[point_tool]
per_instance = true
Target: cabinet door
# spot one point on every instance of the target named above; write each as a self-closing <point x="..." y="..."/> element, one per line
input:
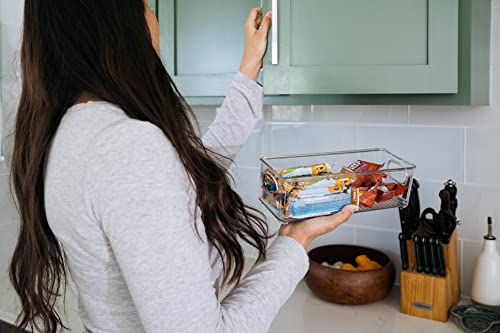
<point x="202" y="42"/>
<point x="363" y="47"/>
<point x="153" y="6"/>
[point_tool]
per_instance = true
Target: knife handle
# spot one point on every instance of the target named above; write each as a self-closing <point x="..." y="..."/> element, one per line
<point x="440" y="257"/>
<point x="425" y="251"/>
<point x="404" y="252"/>
<point x="433" y="256"/>
<point x="418" y="254"/>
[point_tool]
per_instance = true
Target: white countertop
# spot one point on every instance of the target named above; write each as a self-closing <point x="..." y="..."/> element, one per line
<point x="306" y="313"/>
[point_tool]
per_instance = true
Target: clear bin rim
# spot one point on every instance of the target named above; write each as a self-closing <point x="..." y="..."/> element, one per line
<point x="409" y="166"/>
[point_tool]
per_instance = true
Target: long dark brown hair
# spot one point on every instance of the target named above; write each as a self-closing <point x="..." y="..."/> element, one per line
<point x="104" y="48"/>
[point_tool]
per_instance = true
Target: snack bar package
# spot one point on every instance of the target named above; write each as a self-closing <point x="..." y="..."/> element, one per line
<point x="318" y="205"/>
<point x="312" y="170"/>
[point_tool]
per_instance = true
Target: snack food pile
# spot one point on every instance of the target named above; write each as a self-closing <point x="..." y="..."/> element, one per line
<point x="300" y="195"/>
<point x="363" y="264"/>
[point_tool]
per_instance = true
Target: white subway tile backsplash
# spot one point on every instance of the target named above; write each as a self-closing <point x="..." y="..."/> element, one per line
<point x="251" y="152"/>
<point x="308" y="138"/>
<point x="360" y="114"/>
<point x="470" y="252"/>
<point x="11" y="12"/>
<point x="11" y="45"/>
<point x="4" y="169"/>
<point x="8" y="298"/>
<point x="429" y="193"/>
<point x="475" y="204"/>
<point x="8" y="238"/>
<point x="247" y="182"/>
<point x="482" y="159"/>
<point x="386" y="219"/>
<point x="288" y="113"/>
<point x="10" y="93"/>
<point x="437" y="152"/>
<point x="438" y="115"/>
<point x="8" y="211"/>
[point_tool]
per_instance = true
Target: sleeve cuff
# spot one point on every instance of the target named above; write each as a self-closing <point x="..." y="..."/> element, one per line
<point x="243" y="81"/>
<point x="295" y="252"/>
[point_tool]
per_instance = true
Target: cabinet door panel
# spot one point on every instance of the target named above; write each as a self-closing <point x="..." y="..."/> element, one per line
<point x="202" y="42"/>
<point x="365" y="25"/>
<point x="365" y="47"/>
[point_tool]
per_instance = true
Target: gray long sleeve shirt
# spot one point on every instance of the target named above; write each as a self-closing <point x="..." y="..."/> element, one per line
<point x="120" y="203"/>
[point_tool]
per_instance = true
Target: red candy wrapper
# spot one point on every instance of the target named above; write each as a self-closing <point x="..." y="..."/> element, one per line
<point x="366" y="180"/>
<point x="400" y="189"/>
<point x="388" y="191"/>
<point x="368" y="196"/>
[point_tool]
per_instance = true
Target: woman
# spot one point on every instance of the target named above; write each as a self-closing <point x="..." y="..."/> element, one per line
<point x="113" y="183"/>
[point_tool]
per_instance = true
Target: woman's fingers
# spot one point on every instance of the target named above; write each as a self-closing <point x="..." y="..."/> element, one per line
<point x="256" y="29"/>
<point x="304" y="232"/>
<point x="258" y="21"/>
<point x="253" y="16"/>
<point x="266" y="24"/>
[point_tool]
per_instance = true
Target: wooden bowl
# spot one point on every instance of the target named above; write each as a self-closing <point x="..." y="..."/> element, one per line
<point x="349" y="287"/>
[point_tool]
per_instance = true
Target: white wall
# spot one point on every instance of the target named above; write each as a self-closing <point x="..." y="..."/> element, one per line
<point x="445" y="142"/>
<point x="10" y="14"/>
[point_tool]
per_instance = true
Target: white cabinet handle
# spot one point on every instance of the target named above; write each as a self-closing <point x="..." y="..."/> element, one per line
<point x="274" y="38"/>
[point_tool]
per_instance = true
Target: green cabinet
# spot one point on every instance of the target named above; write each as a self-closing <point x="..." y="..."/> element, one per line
<point x="363" y="47"/>
<point x="202" y="42"/>
<point x="153" y="5"/>
<point x="335" y="51"/>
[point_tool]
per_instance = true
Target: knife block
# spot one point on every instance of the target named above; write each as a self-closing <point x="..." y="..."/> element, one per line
<point x="430" y="296"/>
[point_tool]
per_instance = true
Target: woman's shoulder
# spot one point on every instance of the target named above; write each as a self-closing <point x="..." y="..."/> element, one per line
<point x="111" y="128"/>
<point x="109" y="137"/>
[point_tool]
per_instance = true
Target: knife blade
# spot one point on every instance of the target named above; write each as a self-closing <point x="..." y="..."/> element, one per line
<point x="404" y="252"/>
<point x="433" y="256"/>
<point x="410" y="215"/>
<point x="447" y="220"/>
<point x="426" y="255"/>
<point x="418" y="254"/>
<point x="441" y="258"/>
<point x="415" y="213"/>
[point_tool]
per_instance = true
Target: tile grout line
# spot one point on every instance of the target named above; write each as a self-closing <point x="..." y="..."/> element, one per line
<point x="465" y="155"/>
<point x="375" y="228"/>
<point x="462" y="266"/>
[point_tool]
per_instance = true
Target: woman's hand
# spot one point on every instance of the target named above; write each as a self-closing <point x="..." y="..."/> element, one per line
<point x="304" y="232"/>
<point x="256" y="29"/>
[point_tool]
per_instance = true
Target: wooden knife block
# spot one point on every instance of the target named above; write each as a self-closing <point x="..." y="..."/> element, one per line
<point x="430" y="296"/>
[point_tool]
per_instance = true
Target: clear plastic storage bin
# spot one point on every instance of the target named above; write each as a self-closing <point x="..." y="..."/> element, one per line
<point x="305" y="186"/>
